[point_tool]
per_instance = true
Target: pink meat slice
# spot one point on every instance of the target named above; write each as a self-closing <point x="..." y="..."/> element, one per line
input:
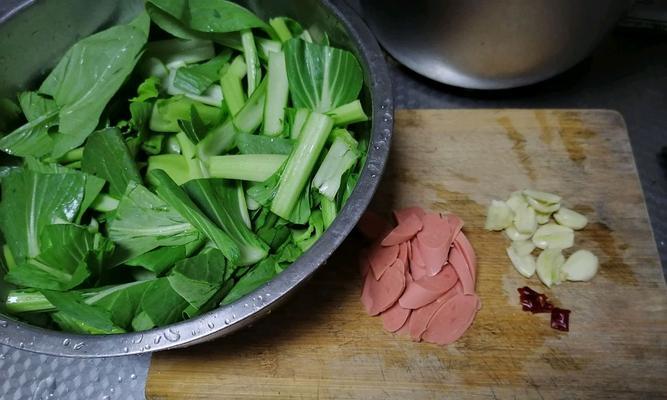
<point x="372" y="225"/>
<point x="463" y="245"/>
<point x="403" y="214"/>
<point x="420" y="318"/>
<point x="455" y="224"/>
<point x="381" y="258"/>
<point x="452" y="319"/>
<point x="394" y="318"/>
<point x="405" y="329"/>
<point x="434" y="251"/>
<point x="379" y="295"/>
<point x="460" y="265"/>
<point x="427" y="289"/>
<point x="405" y="231"/>
<point x="417" y="265"/>
<point x="403" y="253"/>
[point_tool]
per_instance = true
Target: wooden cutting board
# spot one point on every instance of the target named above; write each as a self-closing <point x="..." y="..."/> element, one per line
<point x="320" y="344"/>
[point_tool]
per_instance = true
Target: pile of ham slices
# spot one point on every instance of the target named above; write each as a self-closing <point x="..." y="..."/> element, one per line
<point x="420" y="275"/>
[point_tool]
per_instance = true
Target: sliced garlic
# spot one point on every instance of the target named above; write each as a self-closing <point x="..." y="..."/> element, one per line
<point x="544" y="197"/>
<point x="525" y="220"/>
<point x="525" y="264"/>
<point x="514" y="235"/>
<point x="516" y="201"/>
<point x="499" y="216"/>
<point x="553" y="236"/>
<point x="542" y="207"/>
<point x="542" y="218"/>
<point x="570" y="218"/>
<point x="582" y="265"/>
<point x="523" y="247"/>
<point x="548" y="266"/>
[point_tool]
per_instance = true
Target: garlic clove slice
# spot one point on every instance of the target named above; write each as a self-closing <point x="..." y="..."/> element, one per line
<point x="525" y="264"/>
<point x="499" y="216"/>
<point x="582" y="265"/>
<point x="542" y="207"/>
<point x="523" y="247"/>
<point x="544" y="197"/>
<point x="553" y="236"/>
<point x="513" y="234"/>
<point x="570" y="218"/>
<point x="548" y="266"/>
<point x="525" y="220"/>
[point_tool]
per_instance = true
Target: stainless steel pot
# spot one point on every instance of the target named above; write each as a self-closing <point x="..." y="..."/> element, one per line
<point x="485" y="44"/>
<point x="34" y="34"/>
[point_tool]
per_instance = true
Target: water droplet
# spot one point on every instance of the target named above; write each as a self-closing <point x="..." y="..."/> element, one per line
<point x="126" y="350"/>
<point x="133" y="376"/>
<point x="106" y="397"/>
<point x="246" y="305"/>
<point x="3" y="324"/>
<point x="112" y="390"/>
<point x="227" y="322"/>
<point x="66" y="342"/>
<point x="233" y="316"/>
<point x="172" y="335"/>
<point x="267" y="295"/>
<point x="377" y="147"/>
<point x="373" y="176"/>
<point x="147" y="347"/>
<point x="157" y="339"/>
<point x="120" y="379"/>
<point x="210" y="325"/>
<point x="194" y="333"/>
<point x="78" y="345"/>
<point x="2" y="356"/>
<point x="21" y="345"/>
<point x="138" y="339"/>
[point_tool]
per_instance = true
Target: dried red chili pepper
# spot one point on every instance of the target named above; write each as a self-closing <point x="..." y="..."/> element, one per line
<point x="560" y="319"/>
<point x="533" y="301"/>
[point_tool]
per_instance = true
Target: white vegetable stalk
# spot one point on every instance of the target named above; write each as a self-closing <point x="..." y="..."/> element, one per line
<point x="277" y="93"/>
<point x="341" y="156"/>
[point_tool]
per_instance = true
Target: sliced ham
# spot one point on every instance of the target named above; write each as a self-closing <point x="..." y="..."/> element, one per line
<point x="428" y="288"/>
<point x="403" y="214"/>
<point x="394" y="318"/>
<point x="460" y="265"/>
<point x="463" y="245"/>
<point x="452" y="319"/>
<point x="381" y="258"/>
<point x="379" y="295"/>
<point x="422" y="275"/>
<point x="405" y="231"/>
<point x="421" y="317"/>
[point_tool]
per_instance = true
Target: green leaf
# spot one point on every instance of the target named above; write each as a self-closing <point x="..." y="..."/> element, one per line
<point x="197" y="78"/>
<point x="219" y="200"/>
<point x="209" y="16"/>
<point x="34" y="105"/>
<point x="144" y="222"/>
<point x="160" y="305"/>
<point x="148" y="89"/>
<point x="256" y="277"/>
<point x="93" y="184"/>
<point x="301" y="211"/>
<point x="162" y="258"/>
<point x="195" y="129"/>
<point x="33" y="200"/>
<point x="305" y="238"/>
<point x="271" y="229"/>
<point x="177" y="198"/>
<point x="260" y="144"/>
<point x="167" y="113"/>
<point x="70" y="254"/>
<point x="106" y="155"/>
<point x="76" y="316"/>
<point x="123" y="302"/>
<point x="32" y="138"/>
<point x="288" y="253"/>
<point x="321" y="78"/>
<point x="198" y="278"/>
<point x="86" y="78"/>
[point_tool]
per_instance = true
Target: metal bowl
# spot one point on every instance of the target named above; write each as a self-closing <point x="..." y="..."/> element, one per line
<point x="28" y="51"/>
<point x="483" y="44"/>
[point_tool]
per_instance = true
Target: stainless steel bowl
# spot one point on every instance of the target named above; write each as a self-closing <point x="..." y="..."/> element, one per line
<point x="484" y="44"/>
<point x="34" y="34"/>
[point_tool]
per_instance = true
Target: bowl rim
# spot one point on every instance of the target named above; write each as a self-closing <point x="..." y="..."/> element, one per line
<point x="227" y="319"/>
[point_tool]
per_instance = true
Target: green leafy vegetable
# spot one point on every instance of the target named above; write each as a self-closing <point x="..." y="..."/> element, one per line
<point x="75" y="315"/>
<point x="106" y="155"/>
<point x="321" y="78"/>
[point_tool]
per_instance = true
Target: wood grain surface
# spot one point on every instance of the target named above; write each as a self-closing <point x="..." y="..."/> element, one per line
<point x="320" y="344"/>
